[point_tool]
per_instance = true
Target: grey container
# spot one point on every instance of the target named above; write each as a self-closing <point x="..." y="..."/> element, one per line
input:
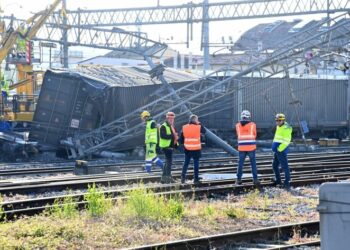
<point x="66" y="105"/>
<point x="73" y="103"/>
<point x="334" y="209"/>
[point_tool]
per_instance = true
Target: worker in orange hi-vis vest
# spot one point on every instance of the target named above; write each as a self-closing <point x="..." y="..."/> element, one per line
<point x="246" y="136"/>
<point x="191" y="139"/>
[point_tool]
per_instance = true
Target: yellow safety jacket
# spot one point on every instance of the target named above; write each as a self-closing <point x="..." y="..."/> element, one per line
<point x="283" y="136"/>
<point x="151" y="134"/>
<point x="165" y="143"/>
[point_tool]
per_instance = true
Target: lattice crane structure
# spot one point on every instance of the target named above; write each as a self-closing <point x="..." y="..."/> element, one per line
<point x="279" y="59"/>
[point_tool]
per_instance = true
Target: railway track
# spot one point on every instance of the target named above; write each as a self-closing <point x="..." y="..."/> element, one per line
<point x="125" y="167"/>
<point x="277" y="237"/>
<point x="15" y="209"/>
<point x="114" y="179"/>
<point x="264" y="238"/>
<point x="312" y="170"/>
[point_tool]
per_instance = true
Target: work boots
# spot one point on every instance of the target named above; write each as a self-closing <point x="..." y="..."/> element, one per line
<point x="256" y="183"/>
<point x="166" y="180"/>
<point x="239" y="182"/>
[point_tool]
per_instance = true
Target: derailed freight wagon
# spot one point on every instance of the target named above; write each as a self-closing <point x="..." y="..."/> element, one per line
<point x="323" y="104"/>
<point x="76" y="102"/>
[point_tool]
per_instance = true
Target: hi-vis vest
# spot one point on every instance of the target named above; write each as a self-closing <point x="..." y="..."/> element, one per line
<point x="192" y="137"/>
<point x="283" y="136"/>
<point x="151" y="135"/>
<point x="246" y="136"/>
<point x="165" y="143"/>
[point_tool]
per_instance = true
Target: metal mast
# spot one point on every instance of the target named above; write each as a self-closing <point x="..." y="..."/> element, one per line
<point x="287" y="54"/>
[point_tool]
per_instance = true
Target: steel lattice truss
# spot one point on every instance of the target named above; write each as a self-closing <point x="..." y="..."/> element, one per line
<point x="190" y="13"/>
<point x="101" y="38"/>
<point x="112" y="39"/>
<point x="81" y="32"/>
<point x="286" y="54"/>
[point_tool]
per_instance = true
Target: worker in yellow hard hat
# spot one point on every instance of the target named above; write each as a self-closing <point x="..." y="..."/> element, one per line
<point x="281" y="141"/>
<point x="151" y="141"/>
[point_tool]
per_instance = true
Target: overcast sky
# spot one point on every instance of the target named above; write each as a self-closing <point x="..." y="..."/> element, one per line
<point x="24" y="8"/>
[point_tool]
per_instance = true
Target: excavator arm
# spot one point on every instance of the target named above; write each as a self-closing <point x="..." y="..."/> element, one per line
<point x="35" y="23"/>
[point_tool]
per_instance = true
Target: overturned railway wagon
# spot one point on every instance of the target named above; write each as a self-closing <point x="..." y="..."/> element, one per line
<point x="75" y="102"/>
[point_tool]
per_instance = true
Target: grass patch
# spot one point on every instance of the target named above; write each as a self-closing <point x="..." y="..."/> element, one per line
<point x="208" y="211"/>
<point x="97" y="203"/>
<point x="140" y="219"/>
<point x="41" y="232"/>
<point x="143" y="203"/>
<point x="65" y="207"/>
<point x="2" y="210"/>
<point x="236" y="213"/>
<point x="253" y="198"/>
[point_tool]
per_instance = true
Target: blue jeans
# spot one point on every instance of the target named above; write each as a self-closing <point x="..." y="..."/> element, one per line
<point x="242" y="156"/>
<point x="195" y="166"/>
<point x="281" y="158"/>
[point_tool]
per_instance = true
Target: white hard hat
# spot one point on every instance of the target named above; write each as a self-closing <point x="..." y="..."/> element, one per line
<point x="245" y="114"/>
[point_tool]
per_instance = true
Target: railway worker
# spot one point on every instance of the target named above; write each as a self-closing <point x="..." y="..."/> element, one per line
<point x="246" y="136"/>
<point x="168" y="142"/>
<point x="281" y="141"/>
<point x="191" y="138"/>
<point x="151" y="141"/>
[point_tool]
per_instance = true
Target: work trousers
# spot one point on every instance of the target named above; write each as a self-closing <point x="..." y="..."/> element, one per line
<point x="281" y="158"/>
<point x="168" y="152"/>
<point x="195" y="167"/>
<point x="242" y="156"/>
<point x="151" y="157"/>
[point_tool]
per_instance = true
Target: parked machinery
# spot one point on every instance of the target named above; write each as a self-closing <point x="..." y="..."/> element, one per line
<point x="16" y="47"/>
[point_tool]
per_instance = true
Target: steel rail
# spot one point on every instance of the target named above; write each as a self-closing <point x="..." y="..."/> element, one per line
<point x="276" y="234"/>
<point x="82" y="182"/>
<point x="264" y="167"/>
<point x="135" y="165"/>
<point x="13" y="209"/>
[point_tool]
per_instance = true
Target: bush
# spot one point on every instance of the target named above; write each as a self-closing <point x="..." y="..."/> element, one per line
<point x="236" y="213"/>
<point x="176" y="208"/>
<point x="208" y="211"/>
<point x="253" y="198"/>
<point x="143" y="203"/>
<point x="65" y="207"/>
<point x="97" y="203"/>
<point x="2" y="214"/>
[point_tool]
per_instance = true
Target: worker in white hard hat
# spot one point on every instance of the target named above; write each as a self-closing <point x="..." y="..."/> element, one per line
<point x="246" y="137"/>
<point x="151" y="141"/>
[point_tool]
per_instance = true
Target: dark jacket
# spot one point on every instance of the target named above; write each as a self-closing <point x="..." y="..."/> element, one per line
<point x="153" y="124"/>
<point x="243" y="123"/>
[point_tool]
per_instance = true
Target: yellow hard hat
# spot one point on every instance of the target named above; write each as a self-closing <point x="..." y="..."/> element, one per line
<point x="280" y="117"/>
<point x="144" y="114"/>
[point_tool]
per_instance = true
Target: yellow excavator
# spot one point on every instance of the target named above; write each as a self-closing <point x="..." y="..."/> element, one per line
<point x="21" y="107"/>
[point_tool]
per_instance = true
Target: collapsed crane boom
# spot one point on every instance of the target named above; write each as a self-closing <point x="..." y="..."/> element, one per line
<point x="283" y="56"/>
